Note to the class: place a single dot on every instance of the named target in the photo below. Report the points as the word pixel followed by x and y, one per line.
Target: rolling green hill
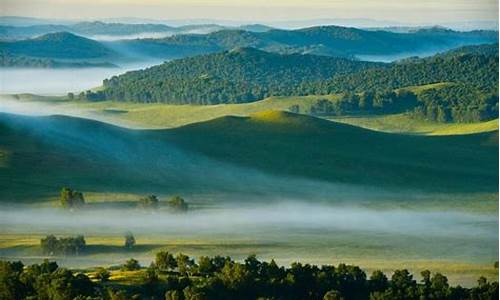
pixel 286 143
pixel 39 155
pixel 62 45
pixel 247 75
pixel 475 65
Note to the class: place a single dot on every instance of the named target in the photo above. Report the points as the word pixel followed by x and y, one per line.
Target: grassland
pixel 160 116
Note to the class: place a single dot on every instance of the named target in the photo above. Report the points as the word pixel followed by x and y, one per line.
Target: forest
pixel 177 277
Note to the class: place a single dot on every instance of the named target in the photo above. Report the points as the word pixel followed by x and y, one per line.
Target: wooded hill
pixel 247 75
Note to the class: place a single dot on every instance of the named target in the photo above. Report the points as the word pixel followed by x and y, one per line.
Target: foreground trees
pixel 181 278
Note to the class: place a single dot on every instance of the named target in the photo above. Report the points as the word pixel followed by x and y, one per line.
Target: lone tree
pixel 149 202
pixel 178 204
pixel 71 199
pixel 129 240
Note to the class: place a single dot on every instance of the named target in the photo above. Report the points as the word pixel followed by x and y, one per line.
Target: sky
pixel 403 11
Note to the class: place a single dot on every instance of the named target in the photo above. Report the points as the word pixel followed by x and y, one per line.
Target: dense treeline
pixel 451 103
pixel 183 278
pixel 478 70
pixel 457 103
pixel 372 102
pixel 241 75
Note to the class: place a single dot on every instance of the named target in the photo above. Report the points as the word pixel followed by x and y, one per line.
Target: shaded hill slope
pixel 40 155
pixel 285 143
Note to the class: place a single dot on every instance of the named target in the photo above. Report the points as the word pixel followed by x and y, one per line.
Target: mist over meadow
pixel 57 82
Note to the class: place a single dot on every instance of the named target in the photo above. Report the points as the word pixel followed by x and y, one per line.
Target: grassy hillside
pixel 405 123
pixel 281 142
pixel 39 155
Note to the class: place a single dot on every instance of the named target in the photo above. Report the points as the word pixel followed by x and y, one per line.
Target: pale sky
pixel 405 11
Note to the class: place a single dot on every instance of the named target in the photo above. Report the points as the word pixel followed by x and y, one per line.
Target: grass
pixel 404 123
pixel 284 143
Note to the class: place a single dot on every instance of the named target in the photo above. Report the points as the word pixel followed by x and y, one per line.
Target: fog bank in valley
pixel 60 81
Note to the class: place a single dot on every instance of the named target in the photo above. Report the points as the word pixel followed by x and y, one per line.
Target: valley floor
pixel 460 244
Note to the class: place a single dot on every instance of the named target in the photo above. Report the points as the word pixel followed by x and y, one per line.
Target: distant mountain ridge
pixel 98 29
pixel 322 40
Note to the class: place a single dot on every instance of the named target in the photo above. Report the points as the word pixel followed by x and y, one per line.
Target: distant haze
pixel 286 13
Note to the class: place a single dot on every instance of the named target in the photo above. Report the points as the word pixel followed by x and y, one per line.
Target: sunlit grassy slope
pixel 40 155
pixel 404 123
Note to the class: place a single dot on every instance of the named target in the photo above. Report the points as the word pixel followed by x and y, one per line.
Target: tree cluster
pixel 178 204
pixel 43 281
pixel 52 245
pixel 149 202
pixel 71 199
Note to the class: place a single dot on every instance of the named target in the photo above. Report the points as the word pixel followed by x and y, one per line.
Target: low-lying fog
pixel 285 231
pixel 240 219
pixel 60 81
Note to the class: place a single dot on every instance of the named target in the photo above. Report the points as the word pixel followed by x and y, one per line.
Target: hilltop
pixel 60 45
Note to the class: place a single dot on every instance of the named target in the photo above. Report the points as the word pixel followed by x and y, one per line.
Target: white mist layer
pixel 238 221
pixel 52 82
